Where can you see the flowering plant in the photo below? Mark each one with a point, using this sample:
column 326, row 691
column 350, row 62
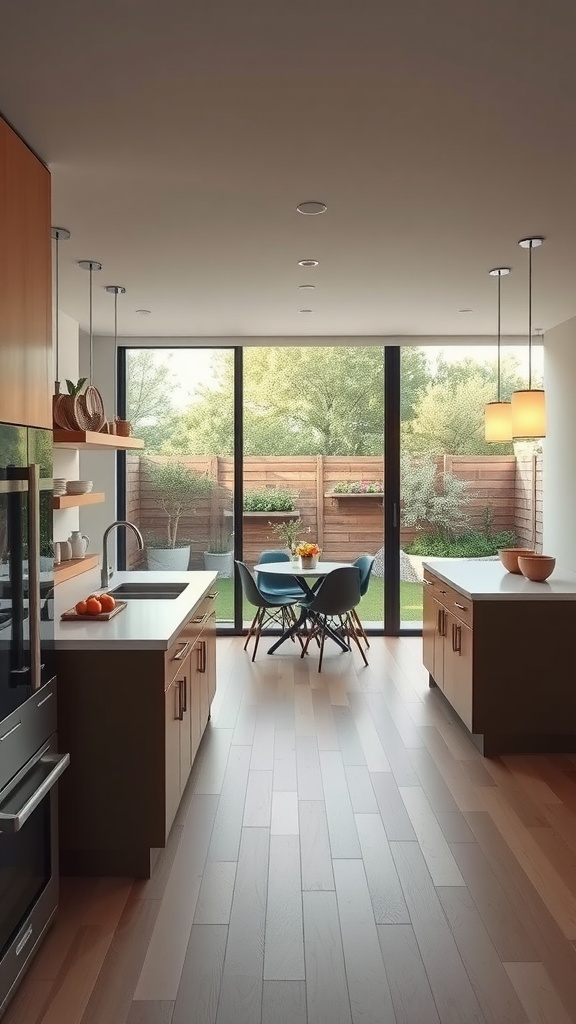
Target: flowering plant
column 358, row 487
column 305, row 549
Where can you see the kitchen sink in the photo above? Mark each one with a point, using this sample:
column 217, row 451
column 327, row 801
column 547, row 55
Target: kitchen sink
column 148, row 591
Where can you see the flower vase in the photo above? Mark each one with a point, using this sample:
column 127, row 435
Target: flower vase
column 308, row 561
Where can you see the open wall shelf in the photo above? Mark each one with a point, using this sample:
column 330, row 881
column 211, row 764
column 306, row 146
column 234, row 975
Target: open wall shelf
column 93, row 440
column 74, row 567
column 76, row 500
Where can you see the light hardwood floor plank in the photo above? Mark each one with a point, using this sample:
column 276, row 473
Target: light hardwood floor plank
column 258, row 805
column 495, row 994
column 396, row 752
column 216, row 890
column 453, row 993
column 285, row 778
column 341, row 826
column 326, row 987
column 437, row 854
column 211, row 774
column 241, row 990
column 348, row 739
column 284, row 1002
column 162, row 967
column 199, row 989
column 360, row 788
column 370, row 999
column 388, row 903
column 324, row 726
column 409, row 986
column 284, row 944
column 263, row 744
column 309, row 776
column 146, row 1012
column 315, row 853
column 537, row 994
column 376, row 760
column 284, row 820
column 392, row 808
column 225, row 841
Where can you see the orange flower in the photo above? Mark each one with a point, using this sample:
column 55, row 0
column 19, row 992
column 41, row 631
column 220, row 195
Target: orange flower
column 305, row 549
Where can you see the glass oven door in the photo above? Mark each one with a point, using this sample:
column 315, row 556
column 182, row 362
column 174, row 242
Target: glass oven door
column 27, row 840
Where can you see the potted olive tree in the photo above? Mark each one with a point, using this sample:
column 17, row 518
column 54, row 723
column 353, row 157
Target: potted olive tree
column 177, row 490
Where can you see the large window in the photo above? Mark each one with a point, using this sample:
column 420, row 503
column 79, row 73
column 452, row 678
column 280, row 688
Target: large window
column 293, row 440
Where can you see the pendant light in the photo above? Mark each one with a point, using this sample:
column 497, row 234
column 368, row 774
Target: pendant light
column 529, row 406
column 115, row 290
column 92, row 406
column 498, row 414
column 59, row 235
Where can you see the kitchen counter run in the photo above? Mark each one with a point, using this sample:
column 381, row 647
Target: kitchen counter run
column 489, row 581
column 143, row 624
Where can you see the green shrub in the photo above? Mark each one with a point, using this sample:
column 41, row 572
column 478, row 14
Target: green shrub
column 433, row 498
column 269, row 499
column 472, row 544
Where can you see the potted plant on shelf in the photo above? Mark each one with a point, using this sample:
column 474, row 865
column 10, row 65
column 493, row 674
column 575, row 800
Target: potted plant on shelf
column 269, row 499
column 219, row 556
column 177, row 490
column 347, row 487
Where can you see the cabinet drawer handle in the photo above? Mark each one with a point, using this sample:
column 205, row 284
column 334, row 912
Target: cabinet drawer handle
column 179, row 710
column 184, row 700
column 462, row 607
column 212, row 597
column 443, row 632
column 202, row 656
column 182, row 654
column 458, row 639
column 428, row 583
column 439, row 623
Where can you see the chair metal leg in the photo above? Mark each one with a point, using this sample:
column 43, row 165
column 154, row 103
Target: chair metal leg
column 351, row 630
column 251, row 630
column 260, row 616
column 323, row 624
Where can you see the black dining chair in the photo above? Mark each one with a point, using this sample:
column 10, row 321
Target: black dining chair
column 330, row 612
column 278, row 609
column 365, row 563
column 272, row 584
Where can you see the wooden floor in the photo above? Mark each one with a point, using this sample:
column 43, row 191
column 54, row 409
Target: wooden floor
column 342, row 854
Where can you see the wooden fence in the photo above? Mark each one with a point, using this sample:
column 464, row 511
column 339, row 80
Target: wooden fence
column 344, row 527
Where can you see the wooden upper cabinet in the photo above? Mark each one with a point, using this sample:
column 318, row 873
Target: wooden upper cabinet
column 25, row 285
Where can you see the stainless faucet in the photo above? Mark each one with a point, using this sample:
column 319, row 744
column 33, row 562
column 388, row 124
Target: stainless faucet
column 107, row 572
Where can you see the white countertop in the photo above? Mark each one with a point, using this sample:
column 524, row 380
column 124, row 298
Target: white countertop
column 143, row 624
column 489, row 581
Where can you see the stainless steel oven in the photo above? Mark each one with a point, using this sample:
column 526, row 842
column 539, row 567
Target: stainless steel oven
column 30, row 764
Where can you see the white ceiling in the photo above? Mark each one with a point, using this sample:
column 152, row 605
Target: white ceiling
column 181, row 135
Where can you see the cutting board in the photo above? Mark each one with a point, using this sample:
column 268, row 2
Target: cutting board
column 72, row 615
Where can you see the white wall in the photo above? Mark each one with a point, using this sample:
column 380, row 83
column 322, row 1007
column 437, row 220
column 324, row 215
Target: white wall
column 559, row 464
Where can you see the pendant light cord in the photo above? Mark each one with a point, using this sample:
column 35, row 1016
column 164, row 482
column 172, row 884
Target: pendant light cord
column 115, row 400
column 90, row 315
column 56, row 377
column 530, row 318
column 498, row 357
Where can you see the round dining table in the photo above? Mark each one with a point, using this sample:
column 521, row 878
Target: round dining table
column 294, row 570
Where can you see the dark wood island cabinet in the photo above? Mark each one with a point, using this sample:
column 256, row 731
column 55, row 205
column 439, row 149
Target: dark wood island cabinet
column 501, row 650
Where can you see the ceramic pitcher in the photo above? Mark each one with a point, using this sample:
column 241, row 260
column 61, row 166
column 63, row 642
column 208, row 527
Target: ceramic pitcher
column 79, row 543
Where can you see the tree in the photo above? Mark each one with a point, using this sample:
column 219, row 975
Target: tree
column 149, row 407
column 450, row 420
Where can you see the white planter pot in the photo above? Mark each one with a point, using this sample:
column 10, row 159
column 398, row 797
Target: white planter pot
column 168, row 559
column 220, row 562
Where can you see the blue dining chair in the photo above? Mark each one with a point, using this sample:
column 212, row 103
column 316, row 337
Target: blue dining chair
column 330, row 612
column 273, row 585
column 277, row 609
column 365, row 563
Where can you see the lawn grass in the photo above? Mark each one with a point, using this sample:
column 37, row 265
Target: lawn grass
column 371, row 609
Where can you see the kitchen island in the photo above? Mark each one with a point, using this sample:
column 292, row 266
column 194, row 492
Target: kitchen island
column 134, row 696
column 501, row 650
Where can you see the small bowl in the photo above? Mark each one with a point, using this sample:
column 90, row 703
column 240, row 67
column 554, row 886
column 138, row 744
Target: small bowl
column 536, row 567
column 79, row 486
column 509, row 557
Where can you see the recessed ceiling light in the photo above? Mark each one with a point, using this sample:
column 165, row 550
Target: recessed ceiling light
column 311, row 208
column 143, row 312
column 465, row 310
column 306, row 310
column 307, row 263
column 307, row 287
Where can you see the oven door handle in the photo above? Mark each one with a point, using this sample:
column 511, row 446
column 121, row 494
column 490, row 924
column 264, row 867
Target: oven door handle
column 14, row 822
